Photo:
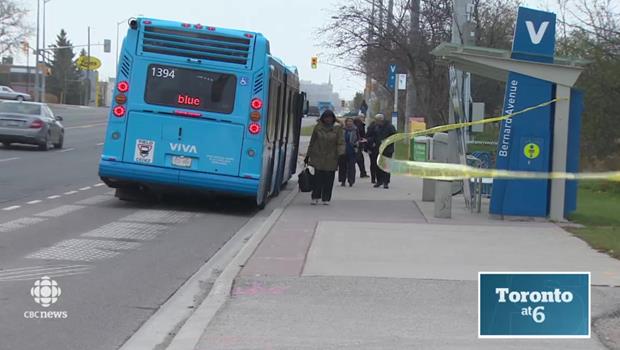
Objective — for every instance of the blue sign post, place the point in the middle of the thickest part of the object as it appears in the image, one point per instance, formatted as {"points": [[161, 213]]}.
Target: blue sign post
{"points": [[525, 142], [392, 77]]}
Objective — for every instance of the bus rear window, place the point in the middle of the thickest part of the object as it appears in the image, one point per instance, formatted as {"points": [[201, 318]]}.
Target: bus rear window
{"points": [[191, 89]]}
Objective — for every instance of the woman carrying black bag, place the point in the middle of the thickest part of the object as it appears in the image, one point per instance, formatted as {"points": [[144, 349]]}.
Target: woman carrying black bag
{"points": [[326, 145]]}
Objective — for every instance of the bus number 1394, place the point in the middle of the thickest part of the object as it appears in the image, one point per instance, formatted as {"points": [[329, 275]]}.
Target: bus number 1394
{"points": [[165, 73]]}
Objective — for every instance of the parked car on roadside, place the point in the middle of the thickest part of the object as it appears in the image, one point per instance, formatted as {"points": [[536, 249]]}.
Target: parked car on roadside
{"points": [[30, 123], [6, 93]]}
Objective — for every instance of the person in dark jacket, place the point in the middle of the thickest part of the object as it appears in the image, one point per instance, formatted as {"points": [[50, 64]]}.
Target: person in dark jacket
{"points": [[326, 145], [361, 131], [381, 131], [368, 148], [346, 163]]}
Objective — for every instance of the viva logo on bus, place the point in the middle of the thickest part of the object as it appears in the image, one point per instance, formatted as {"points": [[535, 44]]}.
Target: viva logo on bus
{"points": [[179, 147]]}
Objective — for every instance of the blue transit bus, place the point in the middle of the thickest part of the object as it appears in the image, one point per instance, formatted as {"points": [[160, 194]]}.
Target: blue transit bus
{"points": [[200, 108]]}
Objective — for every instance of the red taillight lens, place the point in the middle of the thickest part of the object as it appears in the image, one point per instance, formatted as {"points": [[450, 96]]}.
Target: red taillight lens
{"points": [[211, 29], [254, 128], [119, 111], [37, 124], [257, 103], [249, 36], [121, 99], [147, 22], [198, 26], [186, 25], [123, 86]]}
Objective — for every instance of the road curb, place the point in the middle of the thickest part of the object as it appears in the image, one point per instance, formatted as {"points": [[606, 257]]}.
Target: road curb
{"points": [[174, 314], [189, 335]]}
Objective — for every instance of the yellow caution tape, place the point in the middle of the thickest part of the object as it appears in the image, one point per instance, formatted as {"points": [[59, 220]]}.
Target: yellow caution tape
{"points": [[447, 171]]}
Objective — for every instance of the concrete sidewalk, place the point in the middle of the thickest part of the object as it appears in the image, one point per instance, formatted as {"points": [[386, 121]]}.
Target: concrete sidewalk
{"points": [[374, 270]]}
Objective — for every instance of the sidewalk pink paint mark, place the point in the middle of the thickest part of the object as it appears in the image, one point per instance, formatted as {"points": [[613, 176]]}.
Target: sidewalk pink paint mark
{"points": [[258, 289]]}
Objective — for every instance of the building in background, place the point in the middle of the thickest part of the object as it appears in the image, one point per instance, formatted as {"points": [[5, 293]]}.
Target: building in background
{"points": [[18, 78], [22, 79], [321, 93]]}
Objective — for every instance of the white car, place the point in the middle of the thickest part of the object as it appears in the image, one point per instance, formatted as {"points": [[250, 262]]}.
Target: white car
{"points": [[6, 93]]}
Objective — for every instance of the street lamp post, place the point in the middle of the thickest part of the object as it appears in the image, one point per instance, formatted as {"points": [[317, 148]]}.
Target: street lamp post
{"points": [[37, 92], [43, 77]]}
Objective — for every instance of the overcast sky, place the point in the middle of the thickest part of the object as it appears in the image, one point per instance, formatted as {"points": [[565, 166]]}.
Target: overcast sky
{"points": [[290, 26]]}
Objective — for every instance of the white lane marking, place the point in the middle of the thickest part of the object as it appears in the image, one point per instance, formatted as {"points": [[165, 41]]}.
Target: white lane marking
{"points": [[9, 159], [94, 200], [127, 230], [99, 184], [100, 144], [156, 216], [85, 126], [53, 197], [19, 224], [70, 193], [67, 150], [12, 208], [83, 250], [35, 201], [20, 274], [59, 211], [85, 188], [51, 275]]}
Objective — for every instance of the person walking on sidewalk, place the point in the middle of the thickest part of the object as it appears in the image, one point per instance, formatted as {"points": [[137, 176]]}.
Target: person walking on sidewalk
{"points": [[369, 147], [326, 145], [346, 162], [359, 156], [380, 132]]}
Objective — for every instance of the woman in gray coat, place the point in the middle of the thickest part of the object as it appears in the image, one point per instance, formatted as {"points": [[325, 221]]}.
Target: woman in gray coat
{"points": [[326, 145]]}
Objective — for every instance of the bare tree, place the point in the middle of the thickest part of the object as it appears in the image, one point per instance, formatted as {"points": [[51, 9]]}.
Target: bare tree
{"points": [[593, 33], [391, 42], [13, 27]]}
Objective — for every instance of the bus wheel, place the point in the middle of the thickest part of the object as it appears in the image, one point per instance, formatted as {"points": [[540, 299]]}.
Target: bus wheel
{"points": [[263, 200]]}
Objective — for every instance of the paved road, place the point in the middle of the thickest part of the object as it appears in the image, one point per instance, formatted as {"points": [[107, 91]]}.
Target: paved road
{"points": [[115, 262]]}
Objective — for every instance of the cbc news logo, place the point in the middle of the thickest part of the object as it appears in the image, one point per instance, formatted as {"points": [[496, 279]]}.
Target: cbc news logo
{"points": [[45, 293]]}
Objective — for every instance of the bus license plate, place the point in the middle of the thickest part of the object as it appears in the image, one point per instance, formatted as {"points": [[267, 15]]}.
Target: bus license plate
{"points": [[182, 162]]}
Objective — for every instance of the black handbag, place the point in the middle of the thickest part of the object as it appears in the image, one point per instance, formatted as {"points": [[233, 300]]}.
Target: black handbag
{"points": [[305, 180]]}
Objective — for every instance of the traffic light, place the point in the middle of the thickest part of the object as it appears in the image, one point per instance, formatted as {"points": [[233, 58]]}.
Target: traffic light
{"points": [[314, 62], [342, 103], [107, 45]]}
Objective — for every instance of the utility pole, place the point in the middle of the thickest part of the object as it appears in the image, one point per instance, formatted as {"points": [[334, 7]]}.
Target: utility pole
{"points": [[43, 77], [414, 37], [88, 71], [37, 92], [370, 40]]}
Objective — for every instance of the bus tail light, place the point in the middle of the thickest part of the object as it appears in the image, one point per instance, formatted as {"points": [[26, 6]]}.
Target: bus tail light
{"points": [[119, 111], [257, 103], [123, 86], [255, 116], [254, 128], [36, 124]]}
